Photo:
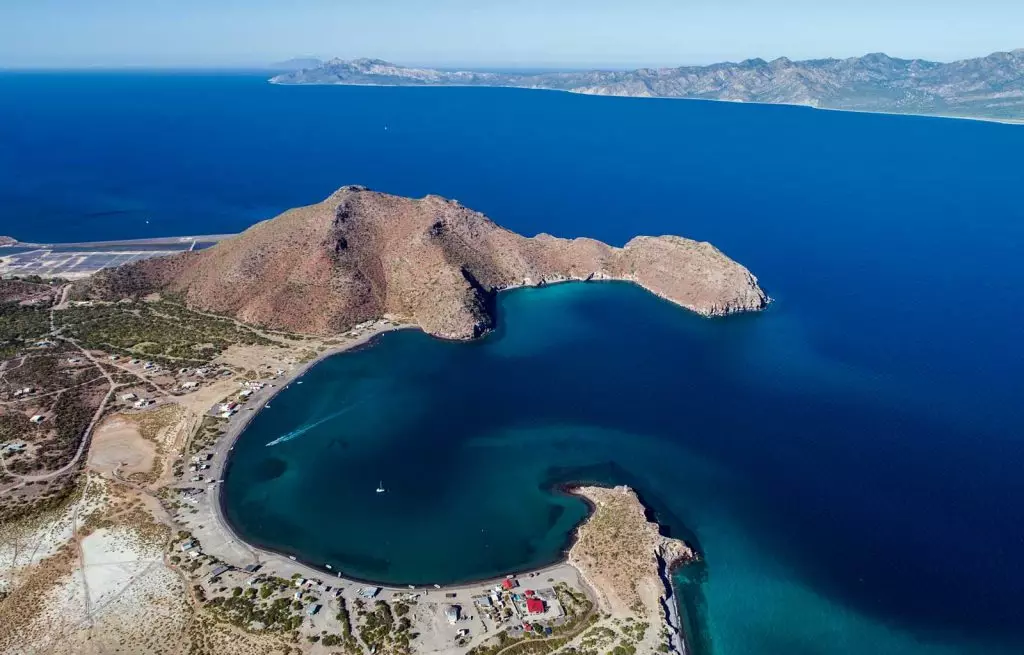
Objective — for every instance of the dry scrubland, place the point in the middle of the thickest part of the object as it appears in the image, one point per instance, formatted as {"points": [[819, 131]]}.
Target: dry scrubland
{"points": [[84, 561]]}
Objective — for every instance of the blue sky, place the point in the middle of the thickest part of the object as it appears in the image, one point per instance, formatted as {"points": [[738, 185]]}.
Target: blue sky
{"points": [[575, 33]]}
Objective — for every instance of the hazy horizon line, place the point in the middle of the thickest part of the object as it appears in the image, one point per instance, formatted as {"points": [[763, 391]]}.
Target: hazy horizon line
{"points": [[449, 65]]}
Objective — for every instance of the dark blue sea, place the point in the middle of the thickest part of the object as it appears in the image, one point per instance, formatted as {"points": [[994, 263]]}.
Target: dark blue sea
{"points": [[850, 462]]}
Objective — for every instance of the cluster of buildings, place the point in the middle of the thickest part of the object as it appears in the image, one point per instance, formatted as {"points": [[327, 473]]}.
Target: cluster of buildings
{"points": [[137, 403], [202, 373], [24, 392], [505, 602], [198, 465], [229, 408]]}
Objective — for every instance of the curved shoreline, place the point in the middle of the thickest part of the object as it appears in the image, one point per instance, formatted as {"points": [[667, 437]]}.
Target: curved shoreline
{"points": [[226, 443], [222, 458], [281, 560], [756, 103], [261, 552]]}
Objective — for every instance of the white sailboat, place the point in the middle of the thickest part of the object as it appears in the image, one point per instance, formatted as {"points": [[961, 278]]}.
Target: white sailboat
{"points": [[380, 487]]}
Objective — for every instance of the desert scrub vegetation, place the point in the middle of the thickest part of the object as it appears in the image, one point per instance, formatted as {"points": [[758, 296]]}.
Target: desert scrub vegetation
{"points": [[156, 330], [207, 434], [19, 326], [382, 633], [347, 639], [248, 612]]}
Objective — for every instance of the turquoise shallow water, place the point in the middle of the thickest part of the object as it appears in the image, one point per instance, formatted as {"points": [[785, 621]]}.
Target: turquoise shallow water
{"points": [[850, 461], [748, 450]]}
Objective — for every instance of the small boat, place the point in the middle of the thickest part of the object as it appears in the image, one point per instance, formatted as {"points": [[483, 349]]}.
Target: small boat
{"points": [[380, 487], [328, 566]]}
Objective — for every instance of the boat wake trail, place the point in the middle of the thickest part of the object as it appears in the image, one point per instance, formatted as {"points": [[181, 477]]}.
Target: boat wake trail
{"points": [[298, 432]]}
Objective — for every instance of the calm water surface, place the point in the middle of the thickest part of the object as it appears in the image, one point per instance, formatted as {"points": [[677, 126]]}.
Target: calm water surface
{"points": [[849, 461]]}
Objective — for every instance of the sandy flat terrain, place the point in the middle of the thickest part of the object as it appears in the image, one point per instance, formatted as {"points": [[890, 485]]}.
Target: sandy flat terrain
{"points": [[119, 445]]}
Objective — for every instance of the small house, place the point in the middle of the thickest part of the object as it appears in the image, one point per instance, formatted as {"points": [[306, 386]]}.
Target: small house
{"points": [[219, 571]]}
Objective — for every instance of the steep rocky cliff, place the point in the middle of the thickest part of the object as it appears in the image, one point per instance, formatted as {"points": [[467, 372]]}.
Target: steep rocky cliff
{"points": [[360, 255]]}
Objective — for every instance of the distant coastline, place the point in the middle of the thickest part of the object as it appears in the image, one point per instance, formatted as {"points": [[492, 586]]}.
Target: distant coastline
{"points": [[983, 88], [982, 119]]}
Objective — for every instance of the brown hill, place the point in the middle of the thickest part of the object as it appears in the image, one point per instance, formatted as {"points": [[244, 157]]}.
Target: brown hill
{"points": [[360, 255]]}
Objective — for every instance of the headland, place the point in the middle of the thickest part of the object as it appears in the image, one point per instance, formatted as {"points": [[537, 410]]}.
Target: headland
{"points": [[360, 255]]}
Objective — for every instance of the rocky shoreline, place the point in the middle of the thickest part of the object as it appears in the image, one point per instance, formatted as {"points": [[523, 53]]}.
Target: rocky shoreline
{"points": [[628, 562]]}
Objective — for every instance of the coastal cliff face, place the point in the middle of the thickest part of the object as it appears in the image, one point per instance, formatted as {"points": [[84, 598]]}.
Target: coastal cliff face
{"points": [[361, 255], [626, 561]]}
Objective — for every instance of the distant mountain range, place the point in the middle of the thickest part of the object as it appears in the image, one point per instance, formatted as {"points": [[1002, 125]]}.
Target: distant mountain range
{"points": [[986, 87]]}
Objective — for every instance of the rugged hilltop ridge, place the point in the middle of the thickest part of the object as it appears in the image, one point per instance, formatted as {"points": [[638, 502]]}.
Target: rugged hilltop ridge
{"points": [[360, 255], [984, 87]]}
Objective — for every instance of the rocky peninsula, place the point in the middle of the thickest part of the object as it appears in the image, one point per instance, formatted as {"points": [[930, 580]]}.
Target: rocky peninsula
{"points": [[361, 255], [627, 561]]}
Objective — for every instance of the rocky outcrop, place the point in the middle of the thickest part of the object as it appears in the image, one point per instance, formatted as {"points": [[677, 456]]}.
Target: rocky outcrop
{"points": [[8, 241], [361, 255]]}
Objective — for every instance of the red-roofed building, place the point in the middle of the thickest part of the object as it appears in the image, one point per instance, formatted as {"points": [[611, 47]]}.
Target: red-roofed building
{"points": [[529, 593], [527, 627], [534, 605], [508, 583]]}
